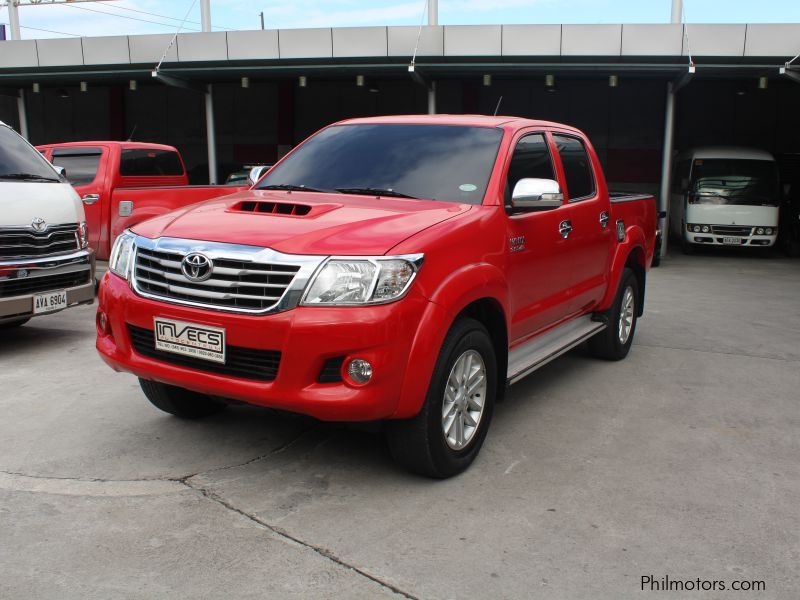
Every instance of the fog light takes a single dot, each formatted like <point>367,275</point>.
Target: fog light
<point>359,370</point>
<point>102,322</point>
<point>760,231</point>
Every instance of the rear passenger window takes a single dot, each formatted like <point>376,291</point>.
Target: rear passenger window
<point>138,162</point>
<point>80,164</point>
<point>577,167</point>
<point>531,158</point>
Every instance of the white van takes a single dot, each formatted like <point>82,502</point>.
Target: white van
<point>725,196</point>
<point>45,262</point>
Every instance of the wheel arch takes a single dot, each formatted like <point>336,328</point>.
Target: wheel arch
<point>480,292</point>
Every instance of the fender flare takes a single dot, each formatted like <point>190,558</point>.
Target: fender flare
<point>634,240</point>
<point>461,288</point>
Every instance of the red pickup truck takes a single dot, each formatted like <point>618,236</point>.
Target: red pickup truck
<point>403,269</point>
<point>123,183</point>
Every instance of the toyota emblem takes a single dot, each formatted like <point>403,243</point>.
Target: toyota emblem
<point>196,267</point>
<point>39,224</point>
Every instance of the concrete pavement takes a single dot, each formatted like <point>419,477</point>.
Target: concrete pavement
<point>681,460</point>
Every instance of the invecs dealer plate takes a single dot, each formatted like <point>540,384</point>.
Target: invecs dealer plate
<point>190,339</point>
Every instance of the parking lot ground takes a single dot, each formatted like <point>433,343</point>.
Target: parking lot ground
<point>682,460</point>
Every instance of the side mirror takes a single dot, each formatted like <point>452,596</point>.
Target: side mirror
<point>62,172</point>
<point>257,173</point>
<point>536,194</point>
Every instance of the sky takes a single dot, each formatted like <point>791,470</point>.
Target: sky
<point>122,17</point>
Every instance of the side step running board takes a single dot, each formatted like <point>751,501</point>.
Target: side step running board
<point>525,359</point>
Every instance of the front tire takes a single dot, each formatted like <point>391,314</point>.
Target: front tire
<point>180,402</point>
<point>447,434</point>
<point>614,342</point>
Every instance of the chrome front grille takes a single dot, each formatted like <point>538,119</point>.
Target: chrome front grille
<point>236,282</point>
<point>734,230</point>
<point>21,278</point>
<point>18,242</point>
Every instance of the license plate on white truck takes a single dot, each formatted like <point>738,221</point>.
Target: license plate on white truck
<point>49,302</point>
<point>190,339</point>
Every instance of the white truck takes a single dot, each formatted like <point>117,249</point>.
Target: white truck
<point>725,196</point>
<point>45,262</point>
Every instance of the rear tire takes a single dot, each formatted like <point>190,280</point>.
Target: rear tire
<point>614,342</point>
<point>180,402</point>
<point>441,441</point>
<point>14,324</point>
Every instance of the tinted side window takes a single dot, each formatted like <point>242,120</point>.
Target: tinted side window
<point>577,167</point>
<point>80,164</point>
<point>144,162</point>
<point>531,158</point>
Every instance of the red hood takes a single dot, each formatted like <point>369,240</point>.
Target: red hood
<point>337,224</point>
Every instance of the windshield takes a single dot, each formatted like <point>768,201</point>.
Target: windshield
<point>20,161</point>
<point>729,181</point>
<point>434,162</point>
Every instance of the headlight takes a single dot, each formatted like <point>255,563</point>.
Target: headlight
<point>353,281</point>
<point>121,254</point>
<point>83,235</point>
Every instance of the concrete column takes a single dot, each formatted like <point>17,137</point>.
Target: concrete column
<point>433,12</point>
<point>211,137</point>
<point>666,165</point>
<point>432,98</point>
<point>211,141</point>
<point>23,115</point>
<point>13,19</point>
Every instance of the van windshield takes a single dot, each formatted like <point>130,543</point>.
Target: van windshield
<point>729,181</point>
<point>433,162</point>
<point>21,162</point>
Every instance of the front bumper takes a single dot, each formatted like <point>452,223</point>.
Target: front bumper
<point>22,279</point>
<point>306,337</point>
<point>713,239</point>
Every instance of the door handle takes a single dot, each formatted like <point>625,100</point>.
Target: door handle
<point>604,219</point>
<point>90,199</point>
<point>565,228</point>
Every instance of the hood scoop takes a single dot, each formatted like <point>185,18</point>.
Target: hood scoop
<point>287,209</point>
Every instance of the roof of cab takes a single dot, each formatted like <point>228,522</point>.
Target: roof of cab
<point>126,145</point>
<point>463,120</point>
<point>729,152</point>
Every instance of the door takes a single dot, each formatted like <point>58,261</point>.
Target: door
<point>538,253</point>
<point>591,238</point>
<point>85,167</point>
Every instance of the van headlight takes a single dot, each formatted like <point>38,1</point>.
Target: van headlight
<point>356,280</point>
<point>121,254</point>
<point>83,235</point>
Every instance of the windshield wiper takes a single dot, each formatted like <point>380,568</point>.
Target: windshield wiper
<point>291,187</point>
<point>28,177</point>
<point>371,191</point>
